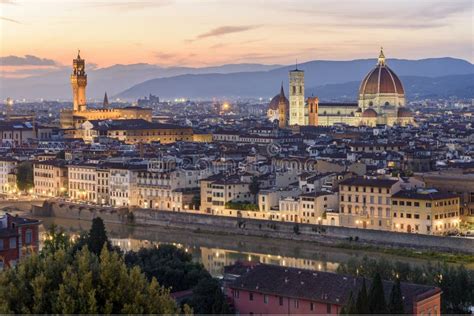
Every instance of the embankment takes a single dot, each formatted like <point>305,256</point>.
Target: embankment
<point>327,235</point>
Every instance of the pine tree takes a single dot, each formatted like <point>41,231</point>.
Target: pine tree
<point>97,236</point>
<point>377,303</point>
<point>362,302</point>
<point>395,306</point>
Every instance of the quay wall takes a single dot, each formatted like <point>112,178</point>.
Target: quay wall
<point>328,235</point>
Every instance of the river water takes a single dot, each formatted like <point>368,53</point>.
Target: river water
<point>217,251</point>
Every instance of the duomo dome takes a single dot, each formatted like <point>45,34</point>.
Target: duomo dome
<point>381,87</point>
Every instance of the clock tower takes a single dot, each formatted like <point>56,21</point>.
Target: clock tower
<point>79,83</point>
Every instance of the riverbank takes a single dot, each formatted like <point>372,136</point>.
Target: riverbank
<point>453,250</point>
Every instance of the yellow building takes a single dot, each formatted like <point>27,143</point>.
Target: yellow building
<point>73,118</point>
<point>425,212</point>
<point>365,202</point>
<point>50,178</point>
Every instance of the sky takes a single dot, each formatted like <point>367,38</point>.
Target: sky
<point>44,35</point>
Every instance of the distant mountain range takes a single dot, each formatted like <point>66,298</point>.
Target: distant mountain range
<point>415,88</point>
<point>114,79</point>
<point>331,79</point>
<point>326,79</point>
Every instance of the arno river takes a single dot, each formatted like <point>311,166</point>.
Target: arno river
<point>217,251</point>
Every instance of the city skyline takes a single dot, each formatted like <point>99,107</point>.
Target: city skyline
<point>221,32</point>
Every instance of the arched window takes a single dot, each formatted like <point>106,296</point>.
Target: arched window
<point>371,103</point>
<point>387,103</point>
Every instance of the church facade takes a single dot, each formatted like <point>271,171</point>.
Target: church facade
<point>381,100</point>
<point>75,117</point>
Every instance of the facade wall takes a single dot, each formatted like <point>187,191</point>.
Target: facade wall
<point>246,302</point>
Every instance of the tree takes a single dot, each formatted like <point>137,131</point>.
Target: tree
<point>63,284</point>
<point>377,303</point>
<point>351,307</point>
<point>55,239</point>
<point>171,266</point>
<point>24,176</point>
<point>98,236</point>
<point>208,298</point>
<point>362,302</point>
<point>395,305</point>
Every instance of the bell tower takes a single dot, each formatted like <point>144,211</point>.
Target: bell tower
<point>79,83</point>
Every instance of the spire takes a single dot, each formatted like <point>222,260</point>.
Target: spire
<point>282,92</point>
<point>78,54</point>
<point>296,68</point>
<point>106,101</point>
<point>381,61</point>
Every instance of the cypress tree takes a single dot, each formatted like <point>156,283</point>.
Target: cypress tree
<point>395,305</point>
<point>362,302</point>
<point>351,305</point>
<point>377,303</point>
<point>97,236</point>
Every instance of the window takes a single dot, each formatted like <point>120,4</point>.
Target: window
<point>250,296</point>
<point>417,204</point>
<point>12,243</point>
<point>280,300</point>
<point>328,308</point>
<point>394,202</point>
<point>296,303</point>
<point>28,236</point>
<point>311,306</point>
<point>236,293</point>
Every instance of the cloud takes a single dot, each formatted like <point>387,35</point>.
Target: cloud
<point>27,60</point>
<point>164,56</point>
<point>223,30</point>
<point>130,5</point>
<point>9,20</point>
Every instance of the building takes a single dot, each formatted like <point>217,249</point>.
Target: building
<point>218,190</point>
<point>83,182</point>
<point>18,133</point>
<point>381,100</point>
<point>18,238</point>
<point>123,184</point>
<point>50,178</point>
<point>278,109</point>
<point>425,212</point>
<point>366,202</point>
<point>297,101</point>
<point>7,167</point>
<point>133,131</point>
<point>456,181</point>
<point>73,118</point>
<point>270,289</point>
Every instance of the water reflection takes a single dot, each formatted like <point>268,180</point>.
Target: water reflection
<point>217,251</point>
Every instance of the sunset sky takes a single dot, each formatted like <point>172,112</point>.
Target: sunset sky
<point>212,32</point>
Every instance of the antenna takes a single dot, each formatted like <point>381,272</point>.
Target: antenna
<point>296,63</point>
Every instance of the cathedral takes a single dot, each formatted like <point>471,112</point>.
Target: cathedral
<point>75,117</point>
<point>381,100</point>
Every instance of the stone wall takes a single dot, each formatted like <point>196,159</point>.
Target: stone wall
<point>272,229</point>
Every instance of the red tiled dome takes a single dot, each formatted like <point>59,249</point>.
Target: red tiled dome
<point>369,113</point>
<point>276,101</point>
<point>381,80</point>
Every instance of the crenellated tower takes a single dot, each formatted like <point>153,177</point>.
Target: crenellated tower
<point>79,83</point>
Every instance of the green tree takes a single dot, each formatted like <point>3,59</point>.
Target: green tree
<point>395,305</point>
<point>60,283</point>
<point>97,237</point>
<point>377,303</point>
<point>24,176</point>
<point>208,298</point>
<point>351,307</point>
<point>55,239</point>
<point>362,302</point>
<point>171,266</point>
